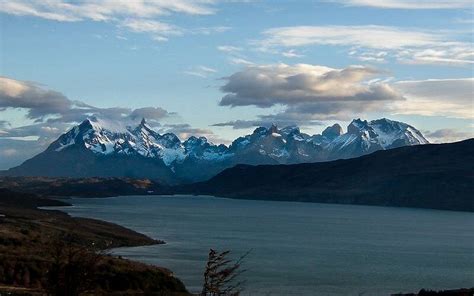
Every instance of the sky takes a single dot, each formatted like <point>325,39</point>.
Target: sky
<point>221,68</point>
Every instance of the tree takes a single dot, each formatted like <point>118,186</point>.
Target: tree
<point>220,275</point>
<point>72,269</point>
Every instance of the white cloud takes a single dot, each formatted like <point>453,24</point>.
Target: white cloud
<point>365,36</point>
<point>291,54</point>
<point>456,54</point>
<point>240,61</point>
<point>104,10</point>
<point>200,71</point>
<point>443,97</point>
<point>409,4</point>
<point>405,45</point>
<point>184,131</point>
<point>157,29</point>
<point>448,135</point>
<point>229,48</point>
<point>136,16</point>
<point>207,69</point>
<point>209,30</point>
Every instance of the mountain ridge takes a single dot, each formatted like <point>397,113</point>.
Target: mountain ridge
<point>96,148</point>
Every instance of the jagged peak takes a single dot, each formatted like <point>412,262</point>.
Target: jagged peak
<point>333,131</point>
<point>384,120</point>
<point>85,123</point>
<point>194,140</point>
<point>273,128</point>
<point>357,126</point>
<point>260,130</point>
<point>291,129</point>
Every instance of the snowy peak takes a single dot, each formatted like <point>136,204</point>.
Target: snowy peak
<point>266,145</point>
<point>392,134</point>
<point>364,137</point>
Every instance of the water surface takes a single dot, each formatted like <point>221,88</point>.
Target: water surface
<point>299,248</point>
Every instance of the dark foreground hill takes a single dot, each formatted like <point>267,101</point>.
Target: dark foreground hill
<point>425,176</point>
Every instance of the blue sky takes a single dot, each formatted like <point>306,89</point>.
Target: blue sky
<point>190,65</point>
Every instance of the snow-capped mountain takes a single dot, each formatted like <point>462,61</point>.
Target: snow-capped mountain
<point>99,148</point>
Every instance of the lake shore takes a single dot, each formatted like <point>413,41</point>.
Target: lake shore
<point>29,235</point>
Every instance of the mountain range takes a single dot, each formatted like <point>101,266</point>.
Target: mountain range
<point>437,176</point>
<point>103,149</point>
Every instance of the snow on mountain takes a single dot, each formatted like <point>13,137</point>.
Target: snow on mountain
<point>286,145</point>
<point>197,159</point>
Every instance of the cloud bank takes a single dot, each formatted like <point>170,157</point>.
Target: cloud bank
<point>137,16</point>
<point>44,105</point>
<point>448,135</point>
<point>375,43</point>
<point>309,93</point>
<point>442,97</point>
<point>409,4</point>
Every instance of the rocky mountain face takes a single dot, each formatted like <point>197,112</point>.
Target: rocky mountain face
<point>99,148</point>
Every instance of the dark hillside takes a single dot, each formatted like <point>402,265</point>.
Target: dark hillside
<point>427,176</point>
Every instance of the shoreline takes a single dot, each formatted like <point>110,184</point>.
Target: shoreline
<point>63,188</point>
<point>29,236</point>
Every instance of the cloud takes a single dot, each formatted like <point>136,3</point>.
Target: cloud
<point>14,152</point>
<point>240,61</point>
<point>45,105</point>
<point>184,131</point>
<point>448,135</point>
<point>105,10</point>
<point>240,124</point>
<point>150,113</point>
<point>307,93</point>
<point>269,85</point>
<point>135,16</point>
<point>200,71</point>
<point>366,36</point>
<point>291,54</point>
<point>367,42</point>
<point>229,48</point>
<point>369,55</point>
<point>39,101</point>
<point>409,4</point>
<point>282,119</point>
<point>157,29</point>
<point>444,97</point>
<point>4,124</point>
<point>209,30</point>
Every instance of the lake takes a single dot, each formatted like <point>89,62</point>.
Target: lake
<point>298,248</point>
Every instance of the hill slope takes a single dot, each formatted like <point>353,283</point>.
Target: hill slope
<point>427,176</point>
